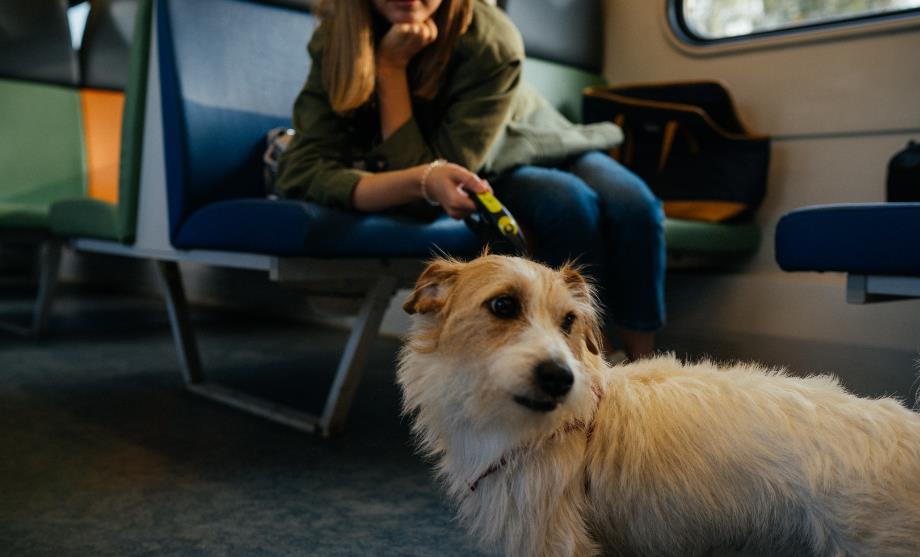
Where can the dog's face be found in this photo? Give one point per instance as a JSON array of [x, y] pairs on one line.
[[502, 345]]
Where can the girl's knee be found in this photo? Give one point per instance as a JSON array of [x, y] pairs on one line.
[[642, 208], [560, 198]]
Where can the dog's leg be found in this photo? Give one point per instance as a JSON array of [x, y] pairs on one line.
[[567, 533]]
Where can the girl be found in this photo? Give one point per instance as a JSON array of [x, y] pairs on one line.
[[409, 102]]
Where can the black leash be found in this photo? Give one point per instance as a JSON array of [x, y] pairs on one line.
[[496, 226]]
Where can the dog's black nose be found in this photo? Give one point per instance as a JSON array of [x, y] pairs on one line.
[[553, 379]]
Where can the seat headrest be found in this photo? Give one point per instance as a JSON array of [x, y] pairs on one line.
[[35, 42], [565, 31], [105, 54]]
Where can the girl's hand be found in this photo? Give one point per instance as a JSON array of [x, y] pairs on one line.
[[448, 184], [403, 41]]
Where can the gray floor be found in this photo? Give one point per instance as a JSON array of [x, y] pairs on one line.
[[103, 453]]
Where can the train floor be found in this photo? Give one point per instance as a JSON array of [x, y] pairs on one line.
[[102, 451]]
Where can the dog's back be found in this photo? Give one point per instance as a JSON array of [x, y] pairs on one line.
[[695, 458]]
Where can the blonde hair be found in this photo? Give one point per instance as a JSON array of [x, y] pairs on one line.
[[348, 57]]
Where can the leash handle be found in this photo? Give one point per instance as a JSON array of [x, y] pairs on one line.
[[496, 225]]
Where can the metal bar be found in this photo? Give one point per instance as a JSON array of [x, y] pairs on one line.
[[169, 280], [903, 287], [253, 261], [50, 264], [856, 289], [348, 376], [305, 269], [864, 289], [15, 328], [258, 406], [344, 385]]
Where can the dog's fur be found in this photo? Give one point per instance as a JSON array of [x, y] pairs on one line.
[[653, 458]]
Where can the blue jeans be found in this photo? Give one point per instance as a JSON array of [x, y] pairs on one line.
[[597, 212]]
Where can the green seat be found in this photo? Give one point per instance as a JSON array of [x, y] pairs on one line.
[[714, 238], [96, 218], [41, 134], [42, 158], [41, 161], [63, 145], [562, 86]]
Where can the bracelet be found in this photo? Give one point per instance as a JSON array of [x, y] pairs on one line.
[[423, 185]]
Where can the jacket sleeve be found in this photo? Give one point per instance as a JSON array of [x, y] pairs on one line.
[[480, 98], [314, 165]]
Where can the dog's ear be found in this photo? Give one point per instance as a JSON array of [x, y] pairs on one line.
[[594, 338], [432, 287], [584, 292]]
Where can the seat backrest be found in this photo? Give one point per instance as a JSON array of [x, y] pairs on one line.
[[710, 96], [40, 121], [105, 53], [563, 62], [40, 130], [35, 42], [105, 57], [132, 126], [568, 32], [230, 70]]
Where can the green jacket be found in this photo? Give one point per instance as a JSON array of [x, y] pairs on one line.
[[484, 119]]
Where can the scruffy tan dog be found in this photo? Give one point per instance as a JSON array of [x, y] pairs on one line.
[[547, 451]]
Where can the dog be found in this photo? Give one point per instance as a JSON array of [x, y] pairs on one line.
[[548, 451]]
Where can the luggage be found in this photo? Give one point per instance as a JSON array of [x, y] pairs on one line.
[[904, 174]]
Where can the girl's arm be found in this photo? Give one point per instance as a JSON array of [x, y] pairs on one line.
[[482, 93], [402, 42], [444, 184]]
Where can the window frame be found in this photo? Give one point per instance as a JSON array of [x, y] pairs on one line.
[[682, 31]]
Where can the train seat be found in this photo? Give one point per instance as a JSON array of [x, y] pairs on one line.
[[42, 158], [62, 174], [215, 119], [114, 61], [874, 243], [41, 130]]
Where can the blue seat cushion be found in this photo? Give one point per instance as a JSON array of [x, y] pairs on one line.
[[295, 228], [861, 238]]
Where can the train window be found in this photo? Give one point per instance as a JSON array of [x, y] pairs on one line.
[[713, 20]]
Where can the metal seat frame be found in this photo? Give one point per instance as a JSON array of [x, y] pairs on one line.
[[348, 278]]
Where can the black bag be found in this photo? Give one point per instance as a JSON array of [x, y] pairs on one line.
[[904, 174], [686, 141]]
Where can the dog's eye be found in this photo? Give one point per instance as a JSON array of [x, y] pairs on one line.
[[567, 323], [505, 307]]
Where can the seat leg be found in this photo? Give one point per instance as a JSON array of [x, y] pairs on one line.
[[345, 382], [49, 263], [865, 289], [50, 266], [169, 279], [351, 366]]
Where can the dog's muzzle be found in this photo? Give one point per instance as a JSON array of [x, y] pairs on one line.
[[553, 382]]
